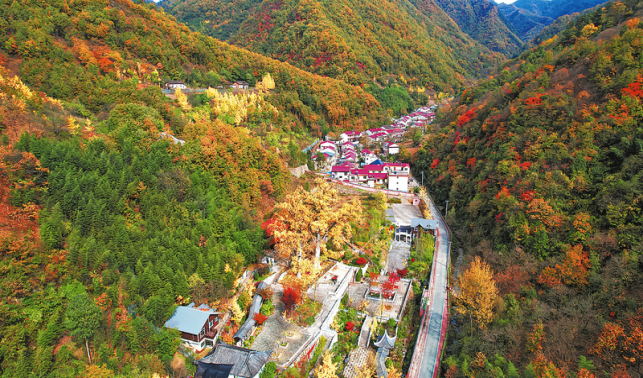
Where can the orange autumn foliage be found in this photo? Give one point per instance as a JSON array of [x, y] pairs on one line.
[[621, 344], [573, 270]]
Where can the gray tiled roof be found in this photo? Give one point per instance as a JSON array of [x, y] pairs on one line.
[[212, 370], [386, 341], [247, 362], [257, 301]]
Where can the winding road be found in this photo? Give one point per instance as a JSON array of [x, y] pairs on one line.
[[428, 348], [425, 362]]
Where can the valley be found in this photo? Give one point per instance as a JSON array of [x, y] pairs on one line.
[[262, 189]]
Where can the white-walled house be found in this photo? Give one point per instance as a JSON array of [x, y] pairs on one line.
[[341, 172], [393, 149], [398, 180]]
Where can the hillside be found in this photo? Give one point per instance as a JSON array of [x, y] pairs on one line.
[[530, 17], [220, 19], [483, 22], [108, 52], [541, 164], [354, 41]]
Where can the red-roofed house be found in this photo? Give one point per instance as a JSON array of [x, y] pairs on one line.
[[359, 175], [393, 149], [374, 168], [377, 178], [341, 172], [374, 131], [350, 136]]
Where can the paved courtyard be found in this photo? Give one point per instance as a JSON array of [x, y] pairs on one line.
[[356, 360], [357, 291], [277, 330], [398, 256]]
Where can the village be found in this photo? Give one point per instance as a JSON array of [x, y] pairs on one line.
[[370, 158], [355, 305]]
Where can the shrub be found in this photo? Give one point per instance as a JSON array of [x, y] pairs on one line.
[[361, 261], [402, 272], [291, 297], [358, 276], [391, 323], [344, 301], [266, 293], [350, 326], [260, 318]]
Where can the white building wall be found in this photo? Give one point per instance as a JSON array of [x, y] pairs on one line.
[[398, 183]]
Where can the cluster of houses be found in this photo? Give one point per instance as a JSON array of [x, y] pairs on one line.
[[178, 84], [393, 176], [419, 118]]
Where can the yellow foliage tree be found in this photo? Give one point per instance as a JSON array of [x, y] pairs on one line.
[[393, 372], [72, 126], [328, 369], [182, 99], [306, 221], [267, 83], [477, 291], [237, 313]]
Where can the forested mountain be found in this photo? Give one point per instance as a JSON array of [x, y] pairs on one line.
[[356, 41], [542, 164], [529, 17], [106, 221], [220, 19], [481, 20], [99, 54]]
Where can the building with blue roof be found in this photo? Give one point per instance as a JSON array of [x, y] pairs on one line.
[[196, 324]]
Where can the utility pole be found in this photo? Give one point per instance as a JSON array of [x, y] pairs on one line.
[[422, 178], [446, 211]]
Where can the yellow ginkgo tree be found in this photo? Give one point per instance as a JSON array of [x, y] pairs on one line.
[[307, 220], [476, 292]]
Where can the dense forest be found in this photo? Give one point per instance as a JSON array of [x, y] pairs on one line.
[[105, 227], [103, 53], [542, 165], [530, 17], [358, 42], [482, 20]]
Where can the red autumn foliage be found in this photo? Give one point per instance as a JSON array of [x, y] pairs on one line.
[[466, 117], [291, 297], [510, 280], [435, 163], [525, 166], [634, 89], [471, 162], [504, 192], [260, 318], [350, 326], [403, 272], [536, 100], [361, 261], [528, 196]]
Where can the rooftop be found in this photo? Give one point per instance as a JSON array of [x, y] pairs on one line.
[[247, 362], [188, 319], [340, 168], [427, 224]]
